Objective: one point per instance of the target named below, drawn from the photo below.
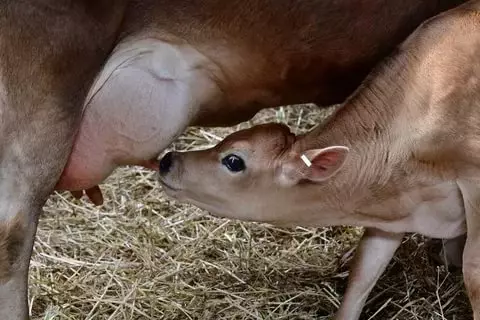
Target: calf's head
(256, 174)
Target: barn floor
(144, 256)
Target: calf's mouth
(168, 165)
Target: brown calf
(401, 155)
(141, 71)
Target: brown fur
(11, 243)
(413, 134)
(57, 66)
(240, 58)
(290, 51)
(51, 51)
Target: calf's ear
(315, 165)
(324, 163)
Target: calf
(401, 155)
(118, 80)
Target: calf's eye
(233, 163)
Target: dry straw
(144, 256)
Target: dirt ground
(144, 256)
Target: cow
(88, 85)
(402, 154)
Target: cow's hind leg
(34, 149)
(50, 52)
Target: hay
(144, 256)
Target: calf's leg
(374, 252)
(471, 256)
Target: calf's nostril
(166, 162)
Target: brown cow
(141, 71)
(401, 155)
